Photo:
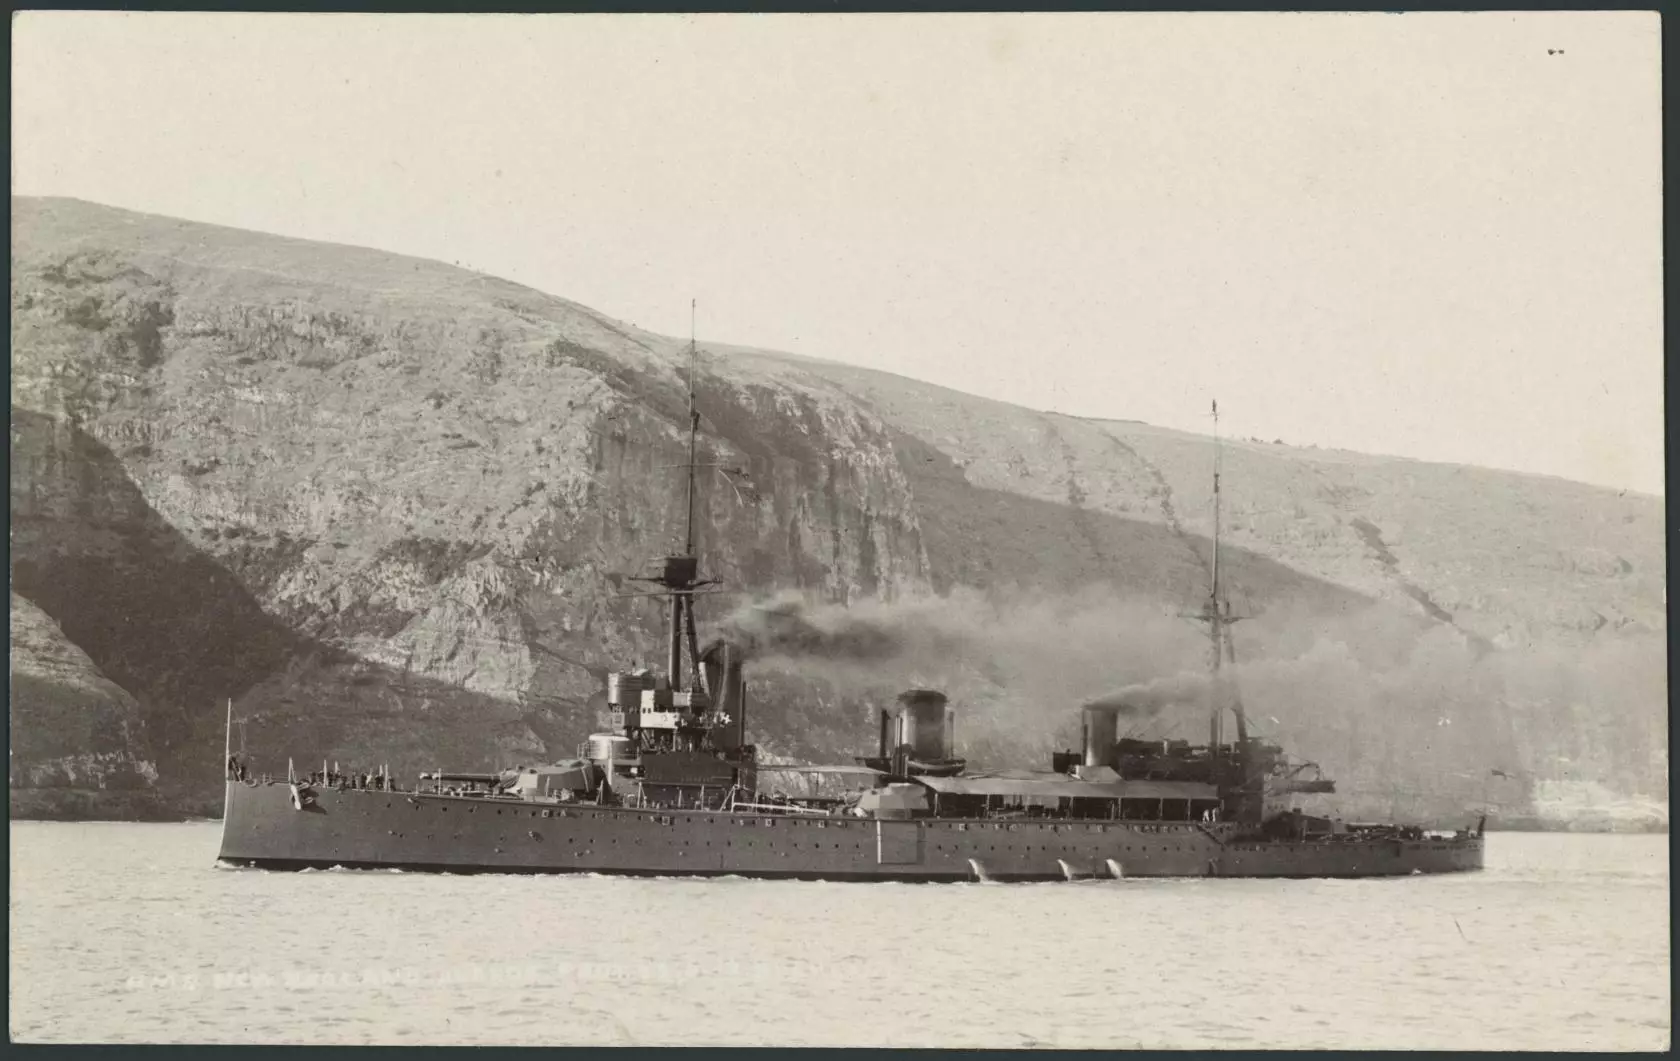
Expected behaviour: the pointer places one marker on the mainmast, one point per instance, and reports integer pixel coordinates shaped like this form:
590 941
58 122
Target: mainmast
1215 603
1216 612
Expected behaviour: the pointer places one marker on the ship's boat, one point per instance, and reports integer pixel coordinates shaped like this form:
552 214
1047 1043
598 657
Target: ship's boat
675 787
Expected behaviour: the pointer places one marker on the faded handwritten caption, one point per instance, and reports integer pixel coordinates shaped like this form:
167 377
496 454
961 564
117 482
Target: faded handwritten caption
303 978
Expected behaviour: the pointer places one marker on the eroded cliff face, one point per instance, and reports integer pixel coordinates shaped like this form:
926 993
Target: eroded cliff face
72 727
393 510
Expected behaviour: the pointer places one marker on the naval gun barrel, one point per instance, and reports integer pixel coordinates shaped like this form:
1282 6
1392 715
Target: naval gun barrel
482 779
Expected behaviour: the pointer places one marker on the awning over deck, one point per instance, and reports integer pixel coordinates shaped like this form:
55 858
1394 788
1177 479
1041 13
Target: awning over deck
800 768
1062 787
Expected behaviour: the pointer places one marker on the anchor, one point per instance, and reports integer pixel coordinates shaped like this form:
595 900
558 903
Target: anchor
301 796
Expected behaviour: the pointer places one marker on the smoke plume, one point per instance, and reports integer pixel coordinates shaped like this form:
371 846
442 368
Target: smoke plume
791 629
1146 699
1053 648
1409 715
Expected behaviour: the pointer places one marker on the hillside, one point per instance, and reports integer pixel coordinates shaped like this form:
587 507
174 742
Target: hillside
390 508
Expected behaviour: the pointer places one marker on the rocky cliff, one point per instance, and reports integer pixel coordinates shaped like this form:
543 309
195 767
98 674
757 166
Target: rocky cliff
77 740
392 508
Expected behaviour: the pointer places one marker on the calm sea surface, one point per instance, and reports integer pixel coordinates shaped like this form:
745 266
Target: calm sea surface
129 933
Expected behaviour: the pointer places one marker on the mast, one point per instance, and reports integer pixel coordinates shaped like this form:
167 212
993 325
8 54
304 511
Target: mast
693 436
1215 605
1216 612
1212 612
682 571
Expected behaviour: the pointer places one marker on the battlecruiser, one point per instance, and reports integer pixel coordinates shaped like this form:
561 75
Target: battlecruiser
675 788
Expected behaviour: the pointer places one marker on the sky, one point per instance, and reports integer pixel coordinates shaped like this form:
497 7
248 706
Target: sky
1428 235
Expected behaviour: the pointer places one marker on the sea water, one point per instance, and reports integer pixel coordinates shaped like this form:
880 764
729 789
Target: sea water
132 933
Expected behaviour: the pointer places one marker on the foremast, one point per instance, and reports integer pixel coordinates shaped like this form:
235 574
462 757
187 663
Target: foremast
681 573
685 709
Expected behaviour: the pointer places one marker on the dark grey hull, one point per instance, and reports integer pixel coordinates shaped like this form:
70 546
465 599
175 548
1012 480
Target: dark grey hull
360 829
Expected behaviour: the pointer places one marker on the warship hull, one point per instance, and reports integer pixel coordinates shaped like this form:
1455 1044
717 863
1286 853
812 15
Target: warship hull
265 827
